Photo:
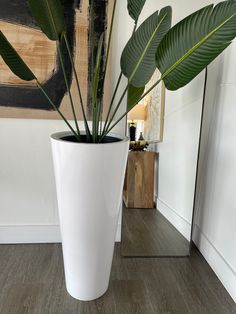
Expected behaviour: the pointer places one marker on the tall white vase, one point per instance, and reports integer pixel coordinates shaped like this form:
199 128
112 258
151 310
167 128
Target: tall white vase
89 181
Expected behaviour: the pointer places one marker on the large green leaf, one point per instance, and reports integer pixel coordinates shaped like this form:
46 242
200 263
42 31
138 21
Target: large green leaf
135 7
138 57
134 94
13 60
194 42
49 16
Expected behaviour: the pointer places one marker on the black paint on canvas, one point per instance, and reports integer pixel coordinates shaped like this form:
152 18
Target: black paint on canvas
27 96
17 12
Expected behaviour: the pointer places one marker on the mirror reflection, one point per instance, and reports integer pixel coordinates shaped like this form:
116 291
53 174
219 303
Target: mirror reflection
161 172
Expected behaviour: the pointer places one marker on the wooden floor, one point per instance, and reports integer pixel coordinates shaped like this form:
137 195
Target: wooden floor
146 232
32 281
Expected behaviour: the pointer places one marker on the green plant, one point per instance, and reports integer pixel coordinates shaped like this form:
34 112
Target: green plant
180 53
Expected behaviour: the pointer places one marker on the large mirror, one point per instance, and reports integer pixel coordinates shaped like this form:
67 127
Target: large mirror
160 181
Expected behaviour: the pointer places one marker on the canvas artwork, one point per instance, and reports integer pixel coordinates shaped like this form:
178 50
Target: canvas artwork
20 99
155 104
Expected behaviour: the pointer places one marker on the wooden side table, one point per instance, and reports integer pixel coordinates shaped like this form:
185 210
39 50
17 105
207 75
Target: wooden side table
139 180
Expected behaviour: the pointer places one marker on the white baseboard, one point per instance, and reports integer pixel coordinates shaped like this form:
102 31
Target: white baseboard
15 234
10 234
222 269
179 222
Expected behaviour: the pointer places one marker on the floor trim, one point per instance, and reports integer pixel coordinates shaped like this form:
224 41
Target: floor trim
223 270
10 234
179 222
15 234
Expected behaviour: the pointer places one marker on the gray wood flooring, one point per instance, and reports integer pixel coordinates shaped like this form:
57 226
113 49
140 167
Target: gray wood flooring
146 232
32 282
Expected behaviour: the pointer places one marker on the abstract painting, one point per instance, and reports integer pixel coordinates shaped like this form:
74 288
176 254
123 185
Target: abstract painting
20 99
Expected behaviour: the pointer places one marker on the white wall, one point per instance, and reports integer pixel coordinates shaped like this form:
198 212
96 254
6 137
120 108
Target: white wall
27 192
214 231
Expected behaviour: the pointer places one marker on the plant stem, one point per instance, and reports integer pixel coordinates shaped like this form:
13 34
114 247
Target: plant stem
106 63
107 129
91 72
78 87
63 67
67 87
123 115
60 113
99 114
77 135
109 38
114 93
94 124
112 100
117 107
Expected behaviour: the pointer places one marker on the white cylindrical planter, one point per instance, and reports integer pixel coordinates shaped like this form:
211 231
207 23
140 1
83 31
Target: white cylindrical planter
89 181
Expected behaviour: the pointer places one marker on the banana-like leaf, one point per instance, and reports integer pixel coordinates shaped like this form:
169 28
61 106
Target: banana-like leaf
138 57
13 60
134 94
194 42
134 8
49 16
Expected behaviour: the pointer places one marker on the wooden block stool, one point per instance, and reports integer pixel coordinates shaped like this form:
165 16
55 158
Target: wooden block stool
139 180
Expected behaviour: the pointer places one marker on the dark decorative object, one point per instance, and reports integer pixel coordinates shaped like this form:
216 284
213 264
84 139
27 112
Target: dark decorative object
132 131
138 146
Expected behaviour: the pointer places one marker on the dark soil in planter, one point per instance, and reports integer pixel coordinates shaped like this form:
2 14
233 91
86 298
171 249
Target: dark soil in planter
107 139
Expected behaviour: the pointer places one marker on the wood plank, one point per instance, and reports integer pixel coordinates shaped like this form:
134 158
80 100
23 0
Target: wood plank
32 282
139 181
